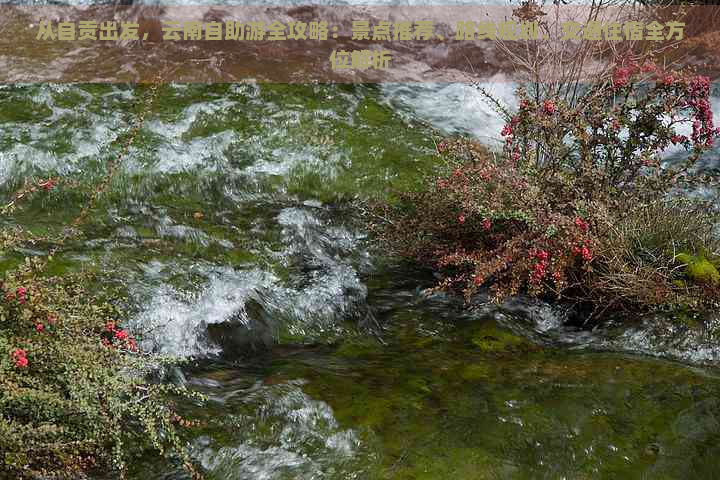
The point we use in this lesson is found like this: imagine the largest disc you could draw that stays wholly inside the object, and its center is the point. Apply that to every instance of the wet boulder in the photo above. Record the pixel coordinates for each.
(248, 331)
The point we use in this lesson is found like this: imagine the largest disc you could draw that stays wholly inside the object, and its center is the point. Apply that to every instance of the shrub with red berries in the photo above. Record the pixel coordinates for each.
(115, 337)
(485, 222)
(577, 204)
(65, 388)
(19, 358)
(613, 139)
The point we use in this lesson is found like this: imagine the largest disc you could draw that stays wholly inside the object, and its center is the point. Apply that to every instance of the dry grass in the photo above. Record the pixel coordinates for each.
(637, 257)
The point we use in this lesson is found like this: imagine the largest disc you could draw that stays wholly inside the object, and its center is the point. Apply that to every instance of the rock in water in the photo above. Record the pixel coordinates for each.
(248, 331)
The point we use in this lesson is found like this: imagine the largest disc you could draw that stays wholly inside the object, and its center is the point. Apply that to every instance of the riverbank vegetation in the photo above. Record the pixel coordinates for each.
(583, 203)
(77, 395)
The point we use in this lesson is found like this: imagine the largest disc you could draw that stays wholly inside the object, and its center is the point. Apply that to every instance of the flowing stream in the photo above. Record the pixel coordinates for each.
(233, 230)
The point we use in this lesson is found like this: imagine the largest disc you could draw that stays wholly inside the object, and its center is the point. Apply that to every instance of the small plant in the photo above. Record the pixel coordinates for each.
(74, 394)
(648, 255)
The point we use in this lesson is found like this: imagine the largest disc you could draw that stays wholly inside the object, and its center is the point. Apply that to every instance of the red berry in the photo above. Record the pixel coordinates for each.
(549, 107)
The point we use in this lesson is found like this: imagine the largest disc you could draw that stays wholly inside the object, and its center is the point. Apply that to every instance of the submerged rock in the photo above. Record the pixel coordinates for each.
(247, 332)
(688, 337)
(489, 338)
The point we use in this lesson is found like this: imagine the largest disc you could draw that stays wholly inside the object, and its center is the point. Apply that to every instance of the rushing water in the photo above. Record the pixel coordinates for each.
(232, 229)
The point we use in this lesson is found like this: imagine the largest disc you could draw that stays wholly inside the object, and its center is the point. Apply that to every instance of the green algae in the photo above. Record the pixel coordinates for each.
(21, 109)
(453, 409)
(489, 338)
(475, 372)
(544, 407)
(359, 347)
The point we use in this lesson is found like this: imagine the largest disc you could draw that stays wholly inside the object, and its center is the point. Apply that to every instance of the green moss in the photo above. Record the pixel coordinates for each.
(145, 232)
(419, 385)
(358, 348)
(238, 257)
(10, 260)
(68, 98)
(306, 183)
(704, 272)
(374, 114)
(23, 110)
(699, 269)
(490, 338)
(475, 372)
(685, 315)
(62, 265)
(467, 463)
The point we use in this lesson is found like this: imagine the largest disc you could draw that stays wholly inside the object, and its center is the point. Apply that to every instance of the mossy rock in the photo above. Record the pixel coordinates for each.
(493, 339)
(699, 269)
(686, 316)
(418, 385)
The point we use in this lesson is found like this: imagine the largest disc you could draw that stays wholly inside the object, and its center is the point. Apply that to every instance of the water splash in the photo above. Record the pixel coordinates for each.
(293, 436)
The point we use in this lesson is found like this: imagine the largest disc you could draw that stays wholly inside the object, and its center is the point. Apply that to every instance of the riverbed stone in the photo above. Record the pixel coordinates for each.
(246, 332)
